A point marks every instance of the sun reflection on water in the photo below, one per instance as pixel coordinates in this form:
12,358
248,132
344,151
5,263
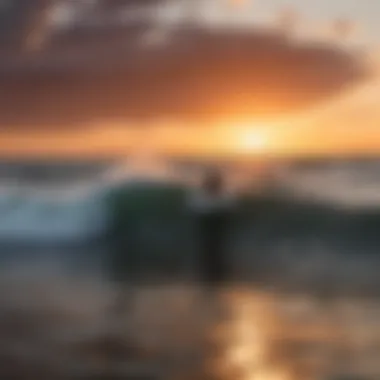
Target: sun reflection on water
289,337
248,350
244,338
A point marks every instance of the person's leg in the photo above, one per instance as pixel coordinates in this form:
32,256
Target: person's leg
214,275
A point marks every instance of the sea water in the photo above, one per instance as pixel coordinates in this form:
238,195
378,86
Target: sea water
303,303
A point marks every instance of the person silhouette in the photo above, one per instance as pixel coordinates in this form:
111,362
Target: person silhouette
211,205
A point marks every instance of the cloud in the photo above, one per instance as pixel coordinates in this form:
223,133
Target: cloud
343,28
199,73
356,111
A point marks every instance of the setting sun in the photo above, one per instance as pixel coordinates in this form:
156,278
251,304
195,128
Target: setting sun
253,141
245,138
250,140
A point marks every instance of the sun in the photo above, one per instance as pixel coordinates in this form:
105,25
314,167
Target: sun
246,138
251,140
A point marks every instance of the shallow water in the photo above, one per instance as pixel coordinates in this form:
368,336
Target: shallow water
308,316
304,303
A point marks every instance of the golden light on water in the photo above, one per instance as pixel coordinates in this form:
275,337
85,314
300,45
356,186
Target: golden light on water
248,350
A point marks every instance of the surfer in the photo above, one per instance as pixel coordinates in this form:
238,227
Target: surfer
211,205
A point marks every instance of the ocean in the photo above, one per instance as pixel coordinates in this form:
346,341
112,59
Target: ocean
302,303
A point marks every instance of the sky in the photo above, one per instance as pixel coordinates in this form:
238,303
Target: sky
319,12
313,15
308,99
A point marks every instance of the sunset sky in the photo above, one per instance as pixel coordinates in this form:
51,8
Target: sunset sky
347,123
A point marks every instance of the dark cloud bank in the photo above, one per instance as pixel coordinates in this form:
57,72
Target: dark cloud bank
88,75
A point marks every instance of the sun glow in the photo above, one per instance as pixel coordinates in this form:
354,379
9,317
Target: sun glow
251,139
